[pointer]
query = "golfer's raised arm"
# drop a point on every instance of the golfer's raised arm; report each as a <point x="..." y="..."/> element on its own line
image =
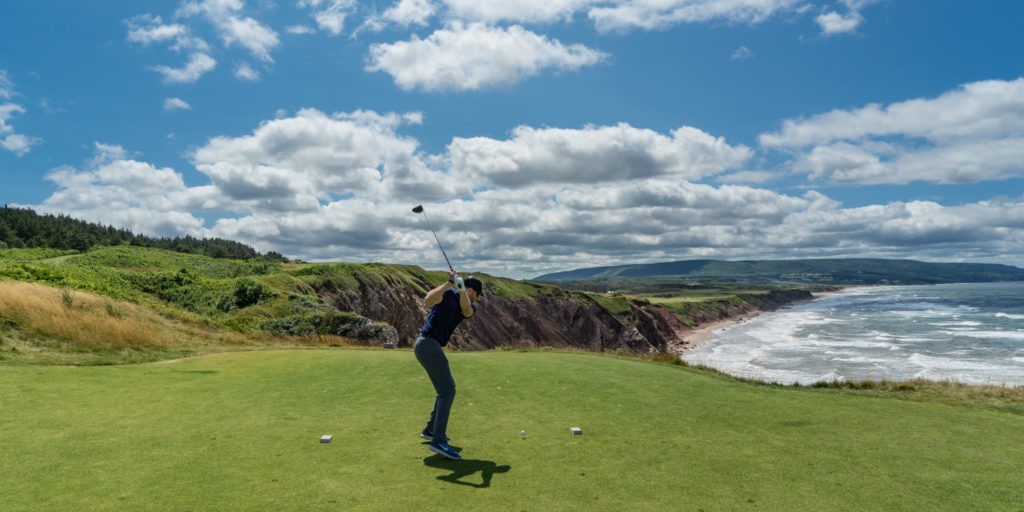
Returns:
<point x="465" y="305"/>
<point x="434" y="296"/>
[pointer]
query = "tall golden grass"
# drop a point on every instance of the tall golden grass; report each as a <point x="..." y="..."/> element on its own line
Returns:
<point x="37" y="317"/>
<point x="76" y="318"/>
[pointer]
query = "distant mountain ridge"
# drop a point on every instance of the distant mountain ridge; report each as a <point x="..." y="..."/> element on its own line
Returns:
<point x="834" y="271"/>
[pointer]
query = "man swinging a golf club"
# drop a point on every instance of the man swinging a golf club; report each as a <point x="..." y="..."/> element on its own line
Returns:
<point x="449" y="304"/>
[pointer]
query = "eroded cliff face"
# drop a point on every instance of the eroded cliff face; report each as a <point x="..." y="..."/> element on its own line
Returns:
<point x="555" y="318"/>
<point x="565" y="321"/>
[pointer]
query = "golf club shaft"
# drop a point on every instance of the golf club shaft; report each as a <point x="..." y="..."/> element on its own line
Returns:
<point x="419" y="209"/>
<point x="439" y="246"/>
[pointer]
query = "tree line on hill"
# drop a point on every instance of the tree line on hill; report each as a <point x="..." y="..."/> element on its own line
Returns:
<point x="23" y="227"/>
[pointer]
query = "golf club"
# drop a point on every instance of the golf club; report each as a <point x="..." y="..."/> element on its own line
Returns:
<point x="419" y="209"/>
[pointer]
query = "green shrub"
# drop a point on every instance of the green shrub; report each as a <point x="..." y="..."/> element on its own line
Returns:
<point x="310" y="318"/>
<point x="247" y="293"/>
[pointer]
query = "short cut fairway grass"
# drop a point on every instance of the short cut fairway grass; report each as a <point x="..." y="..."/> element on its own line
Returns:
<point x="240" y="431"/>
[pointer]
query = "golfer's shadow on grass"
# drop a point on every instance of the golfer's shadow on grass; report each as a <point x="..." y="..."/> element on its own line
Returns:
<point x="466" y="467"/>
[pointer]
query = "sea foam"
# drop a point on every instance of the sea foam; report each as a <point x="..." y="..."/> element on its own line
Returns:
<point x="965" y="333"/>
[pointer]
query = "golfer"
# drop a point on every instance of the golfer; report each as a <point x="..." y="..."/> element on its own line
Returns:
<point x="449" y="304"/>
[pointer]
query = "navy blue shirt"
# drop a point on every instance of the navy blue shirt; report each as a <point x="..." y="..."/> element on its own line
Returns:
<point x="444" y="317"/>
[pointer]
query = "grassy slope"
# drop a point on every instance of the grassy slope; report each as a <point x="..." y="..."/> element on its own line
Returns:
<point x="239" y="431"/>
<point x="179" y="304"/>
<point x="130" y="304"/>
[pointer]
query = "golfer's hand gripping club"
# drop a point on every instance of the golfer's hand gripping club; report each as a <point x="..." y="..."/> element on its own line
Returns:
<point x="455" y="280"/>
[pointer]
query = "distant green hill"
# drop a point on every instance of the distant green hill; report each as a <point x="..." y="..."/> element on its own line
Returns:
<point x="853" y="271"/>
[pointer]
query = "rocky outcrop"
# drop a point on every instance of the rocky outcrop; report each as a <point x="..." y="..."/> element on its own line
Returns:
<point x="370" y="332"/>
<point x="568" y="321"/>
<point x="380" y="299"/>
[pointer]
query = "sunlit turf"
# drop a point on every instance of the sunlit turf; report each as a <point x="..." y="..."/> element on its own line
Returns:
<point x="240" y="431"/>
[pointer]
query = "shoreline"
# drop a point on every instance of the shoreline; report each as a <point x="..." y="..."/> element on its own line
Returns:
<point x="700" y="334"/>
<point x="694" y="338"/>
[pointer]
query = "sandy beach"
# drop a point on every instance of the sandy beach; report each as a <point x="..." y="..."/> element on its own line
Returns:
<point x="693" y="338"/>
<point x="700" y="334"/>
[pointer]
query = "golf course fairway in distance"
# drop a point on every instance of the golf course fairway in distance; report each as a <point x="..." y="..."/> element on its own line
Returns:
<point x="241" y="431"/>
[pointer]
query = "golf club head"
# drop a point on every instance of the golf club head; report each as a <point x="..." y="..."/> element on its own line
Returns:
<point x="418" y="209"/>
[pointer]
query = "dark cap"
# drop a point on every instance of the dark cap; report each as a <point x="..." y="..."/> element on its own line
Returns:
<point x="474" y="283"/>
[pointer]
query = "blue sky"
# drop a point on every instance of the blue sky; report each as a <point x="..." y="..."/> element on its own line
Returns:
<point x="540" y="135"/>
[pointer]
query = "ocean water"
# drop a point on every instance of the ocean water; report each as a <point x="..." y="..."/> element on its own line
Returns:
<point x="969" y="333"/>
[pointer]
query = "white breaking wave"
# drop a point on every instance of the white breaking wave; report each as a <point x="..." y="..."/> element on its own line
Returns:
<point x="957" y="324"/>
<point x="963" y="333"/>
<point x="1008" y="335"/>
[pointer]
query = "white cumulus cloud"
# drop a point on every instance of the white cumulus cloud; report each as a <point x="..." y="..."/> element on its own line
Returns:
<point x="330" y="15"/>
<point x="299" y="163"/>
<point x="522" y="11"/>
<point x="197" y="65"/>
<point x="10" y="140"/>
<point x="971" y="134"/>
<point x="659" y="14"/>
<point x="148" y="29"/>
<point x="233" y="27"/>
<point x="475" y="56"/>
<point x="836" y="23"/>
<point x="742" y="53"/>
<point x="117" y="190"/>
<point x="591" y="155"/>
<point x="176" y="104"/>
<point x="246" y="72"/>
<point x="404" y="13"/>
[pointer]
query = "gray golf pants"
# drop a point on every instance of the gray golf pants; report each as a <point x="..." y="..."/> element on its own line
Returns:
<point x="431" y="356"/>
